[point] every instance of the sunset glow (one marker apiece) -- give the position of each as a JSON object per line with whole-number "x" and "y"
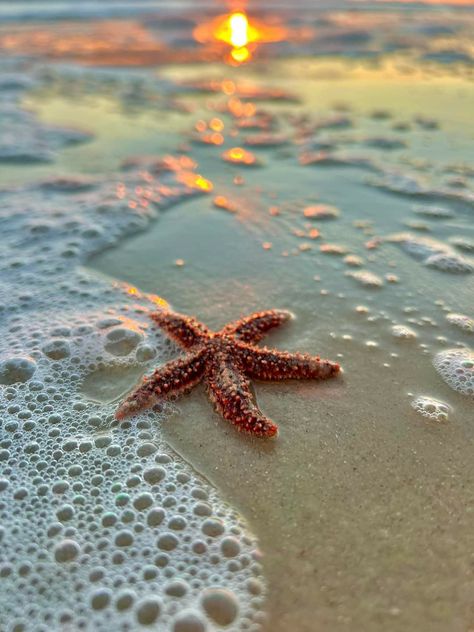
{"x": 239, "y": 27}
{"x": 239, "y": 156}
{"x": 240, "y": 33}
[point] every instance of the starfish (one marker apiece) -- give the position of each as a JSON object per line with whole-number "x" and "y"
{"x": 225, "y": 361}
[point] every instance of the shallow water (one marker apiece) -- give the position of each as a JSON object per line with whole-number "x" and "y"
{"x": 336, "y": 544}
{"x": 361, "y": 507}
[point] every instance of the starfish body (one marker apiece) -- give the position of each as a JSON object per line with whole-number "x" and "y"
{"x": 225, "y": 361}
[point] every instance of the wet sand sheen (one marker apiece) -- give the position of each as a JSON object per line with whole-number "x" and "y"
{"x": 358, "y": 504}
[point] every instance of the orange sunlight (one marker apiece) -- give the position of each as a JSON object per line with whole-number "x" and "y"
{"x": 239, "y": 33}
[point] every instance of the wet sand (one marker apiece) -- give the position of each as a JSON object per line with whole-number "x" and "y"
{"x": 361, "y": 505}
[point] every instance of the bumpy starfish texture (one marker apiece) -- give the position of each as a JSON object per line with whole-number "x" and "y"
{"x": 225, "y": 361}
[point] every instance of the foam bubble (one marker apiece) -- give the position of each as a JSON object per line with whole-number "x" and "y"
{"x": 366, "y": 278}
{"x": 66, "y": 551}
{"x": 412, "y": 185}
{"x": 189, "y": 621}
{"x": 148, "y": 610}
{"x": 333, "y": 249}
{"x": 456, "y": 367}
{"x": 122, "y": 341}
{"x": 220, "y": 605}
{"x": 403, "y": 332}
{"x": 462, "y": 321}
{"x": 353, "y": 260}
{"x": 431, "y": 408}
{"x": 433, "y": 253}
{"x": 103, "y": 509}
{"x": 18, "y": 369}
{"x": 419, "y": 247}
{"x": 450, "y": 263}
{"x": 57, "y": 349}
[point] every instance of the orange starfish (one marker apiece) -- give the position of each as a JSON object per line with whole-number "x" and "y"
{"x": 225, "y": 360}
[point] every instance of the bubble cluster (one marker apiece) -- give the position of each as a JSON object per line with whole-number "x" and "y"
{"x": 431, "y": 408}
{"x": 433, "y": 253}
{"x": 456, "y": 367}
{"x": 366, "y": 278}
{"x": 419, "y": 247}
{"x": 450, "y": 262}
{"x": 413, "y": 186}
{"x": 403, "y": 332}
{"x": 128, "y": 531}
{"x": 16, "y": 369}
{"x": 103, "y": 527}
{"x": 333, "y": 249}
{"x": 462, "y": 321}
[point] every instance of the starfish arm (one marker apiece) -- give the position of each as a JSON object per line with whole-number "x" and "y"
{"x": 171, "y": 380}
{"x": 268, "y": 364}
{"x": 229, "y": 390}
{"x": 184, "y": 330}
{"x": 254, "y": 327}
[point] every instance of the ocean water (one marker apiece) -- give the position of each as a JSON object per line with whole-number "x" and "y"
{"x": 332, "y": 175}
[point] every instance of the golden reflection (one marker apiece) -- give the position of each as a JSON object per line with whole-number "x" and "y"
{"x": 209, "y": 138}
{"x": 216, "y": 124}
{"x": 200, "y": 126}
{"x": 240, "y": 55}
{"x": 239, "y": 33}
{"x": 133, "y": 291}
{"x": 194, "y": 181}
{"x": 222, "y": 202}
{"x": 209, "y": 133}
{"x": 239, "y": 156}
{"x": 240, "y": 108}
{"x": 152, "y": 191}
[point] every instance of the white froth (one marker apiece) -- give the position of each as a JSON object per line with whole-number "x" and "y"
{"x": 413, "y": 186}
{"x": 101, "y": 525}
{"x": 450, "y": 262}
{"x": 456, "y": 367}
{"x": 431, "y": 408}
{"x": 366, "y": 278}
{"x": 462, "y": 321}
{"x": 403, "y": 332}
{"x": 433, "y": 253}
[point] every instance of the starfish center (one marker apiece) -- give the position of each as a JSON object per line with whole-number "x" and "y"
{"x": 226, "y": 361}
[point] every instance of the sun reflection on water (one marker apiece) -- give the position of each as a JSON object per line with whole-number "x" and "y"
{"x": 240, "y": 33}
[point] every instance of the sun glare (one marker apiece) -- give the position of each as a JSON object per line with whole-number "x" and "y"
{"x": 239, "y": 26}
{"x": 240, "y": 33}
